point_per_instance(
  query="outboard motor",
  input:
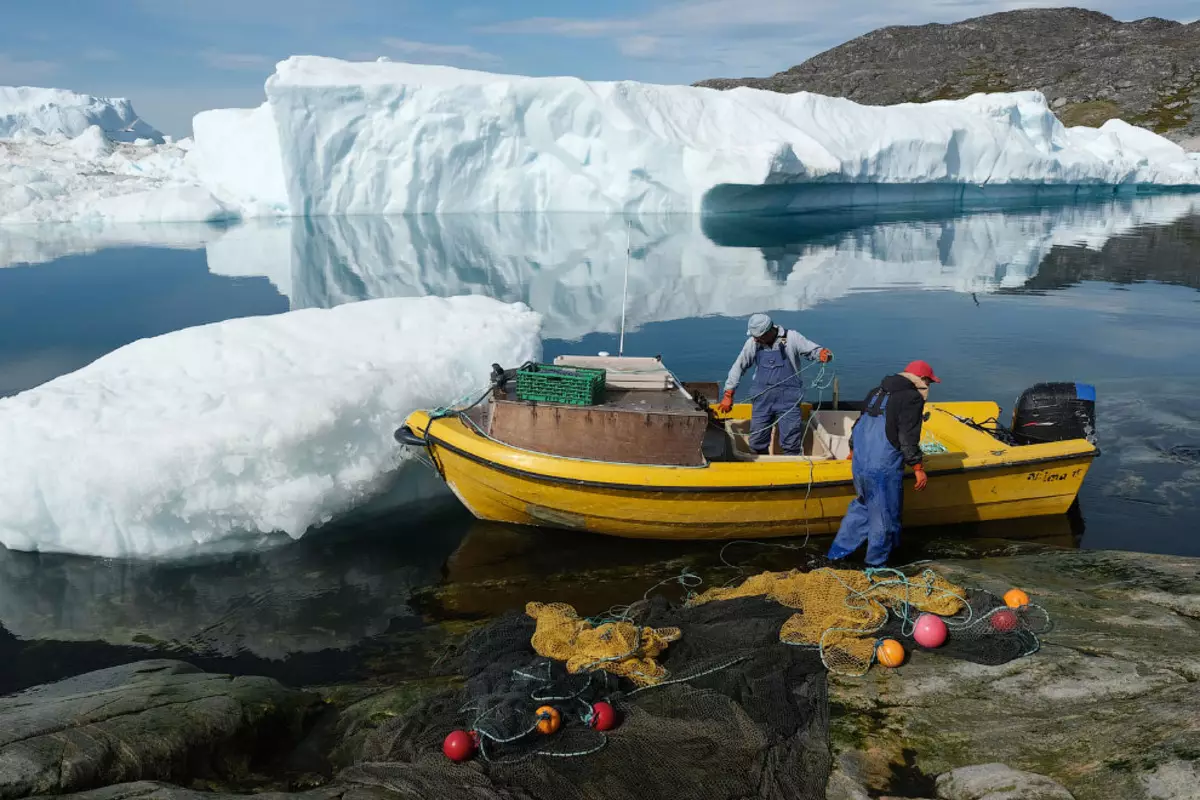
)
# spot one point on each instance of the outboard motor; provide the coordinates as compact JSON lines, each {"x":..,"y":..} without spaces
{"x":1054,"y":412}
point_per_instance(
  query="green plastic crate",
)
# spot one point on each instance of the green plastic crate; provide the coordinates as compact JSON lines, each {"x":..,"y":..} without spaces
{"x":551,"y":383}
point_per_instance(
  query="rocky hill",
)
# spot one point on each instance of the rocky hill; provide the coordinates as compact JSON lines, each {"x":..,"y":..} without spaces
{"x":1090,"y":67}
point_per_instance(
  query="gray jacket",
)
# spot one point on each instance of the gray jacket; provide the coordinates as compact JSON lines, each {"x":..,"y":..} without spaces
{"x":795,"y":348}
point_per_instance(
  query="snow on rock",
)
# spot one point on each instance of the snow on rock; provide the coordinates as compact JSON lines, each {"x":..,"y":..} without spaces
{"x":185,"y":441}
{"x":48,"y":112}
{"x":384,"y":138}
{"x":92,"y":180}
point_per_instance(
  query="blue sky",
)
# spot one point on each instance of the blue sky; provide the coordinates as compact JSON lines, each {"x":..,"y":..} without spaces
{"x":173,"y":58}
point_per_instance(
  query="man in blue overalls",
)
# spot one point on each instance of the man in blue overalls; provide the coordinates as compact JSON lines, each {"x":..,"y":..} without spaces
{"x":778,"y":388}
{"x":885,"y":437}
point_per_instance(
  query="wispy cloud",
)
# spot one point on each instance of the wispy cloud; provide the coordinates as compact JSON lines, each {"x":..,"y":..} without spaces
{"x":100,"y":54}
{"x":440,"y":52}
{"x":18,"y":71}
{"x":235,"y":61}
{"x":565,"y":26}
{"x":750,"y":36}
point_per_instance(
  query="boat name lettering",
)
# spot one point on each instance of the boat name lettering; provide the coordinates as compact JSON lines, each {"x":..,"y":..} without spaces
{"x":1051,"y":477}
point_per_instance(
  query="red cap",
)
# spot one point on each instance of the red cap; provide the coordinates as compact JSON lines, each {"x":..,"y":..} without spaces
{"x":922,"y":370}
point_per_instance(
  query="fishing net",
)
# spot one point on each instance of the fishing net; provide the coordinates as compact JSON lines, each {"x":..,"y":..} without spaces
{"x":722,"y":696}
{"x":841,"y":610}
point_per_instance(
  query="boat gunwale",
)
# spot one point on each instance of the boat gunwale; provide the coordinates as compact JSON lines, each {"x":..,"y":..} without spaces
{"x":518,"y":472}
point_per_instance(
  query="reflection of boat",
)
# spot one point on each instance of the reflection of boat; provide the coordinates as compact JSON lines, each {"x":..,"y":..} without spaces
{"x":659,"y":463}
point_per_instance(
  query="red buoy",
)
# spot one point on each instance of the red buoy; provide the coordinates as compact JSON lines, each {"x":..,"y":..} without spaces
{"x":458,"y":746}
{"x":1004,"y":620}
{"x":604,"y":716}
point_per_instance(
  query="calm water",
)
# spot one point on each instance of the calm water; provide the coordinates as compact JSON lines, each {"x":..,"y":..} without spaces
{"x":997,"y":301}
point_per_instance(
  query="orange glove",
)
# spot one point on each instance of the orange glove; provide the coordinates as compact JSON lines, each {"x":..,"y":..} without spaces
{"x":727,"y":401}
{"x":825,"y":355}
{"x":850,"y":456}
{"x":922,"y":478}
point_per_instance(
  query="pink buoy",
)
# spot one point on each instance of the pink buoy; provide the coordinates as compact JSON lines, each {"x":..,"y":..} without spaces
{"x":1004,"y":620}
{"x":930,"y":631}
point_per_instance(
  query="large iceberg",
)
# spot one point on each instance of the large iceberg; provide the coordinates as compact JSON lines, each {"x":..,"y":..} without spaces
{"x":390,"y":138}
{"x":347,"y":138}
{"x":243,"y":428}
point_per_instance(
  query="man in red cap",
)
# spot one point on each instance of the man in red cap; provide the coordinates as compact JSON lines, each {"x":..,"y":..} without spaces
{"x":885,"y":437}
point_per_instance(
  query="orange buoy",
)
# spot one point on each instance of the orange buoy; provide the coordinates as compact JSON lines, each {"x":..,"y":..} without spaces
{"x":549,"y":720}
{"x":1015,"y":598}
{"x":890,"y":653}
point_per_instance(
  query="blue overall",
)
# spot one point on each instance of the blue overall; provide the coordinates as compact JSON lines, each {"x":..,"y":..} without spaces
{"x":878,"y":469}
{"x":777,"y":393}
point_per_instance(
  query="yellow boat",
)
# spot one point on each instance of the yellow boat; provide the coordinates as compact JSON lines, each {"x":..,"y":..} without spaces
{"x":731,"y":492}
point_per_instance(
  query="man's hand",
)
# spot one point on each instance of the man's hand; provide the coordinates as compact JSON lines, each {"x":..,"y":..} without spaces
{"x":727,"y":402}
{"x":825,"y":356}
{"x":922,"y":478}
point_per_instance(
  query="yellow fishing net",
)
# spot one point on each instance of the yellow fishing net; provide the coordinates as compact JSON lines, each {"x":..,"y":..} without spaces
{"x":621,"y":648}
{"x":840,"y":610}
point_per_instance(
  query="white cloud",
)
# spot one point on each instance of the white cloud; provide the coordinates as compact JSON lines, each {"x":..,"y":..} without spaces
{"x":440,"y":52}
{"x":642,"y":46}
{"x":15,"y":71}
{"x":236,"y":61}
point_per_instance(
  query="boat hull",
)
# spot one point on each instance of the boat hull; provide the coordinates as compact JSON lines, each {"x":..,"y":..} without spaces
{"x":729,"y":501}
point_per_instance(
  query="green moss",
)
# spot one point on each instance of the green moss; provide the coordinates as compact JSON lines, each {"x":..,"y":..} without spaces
{"x":1093,"y":113}
{"x":1171,"y":110}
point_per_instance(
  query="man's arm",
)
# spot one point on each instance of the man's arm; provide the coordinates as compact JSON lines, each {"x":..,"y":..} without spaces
{"x":909,"y":417}
{"x":740,"y":365}
{"x":798,"y":346}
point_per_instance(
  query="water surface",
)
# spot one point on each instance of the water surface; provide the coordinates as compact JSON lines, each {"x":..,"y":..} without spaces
{"x":1104,"y":293}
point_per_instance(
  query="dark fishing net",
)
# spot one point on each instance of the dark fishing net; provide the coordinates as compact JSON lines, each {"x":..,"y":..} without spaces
{"x":737,"y":714}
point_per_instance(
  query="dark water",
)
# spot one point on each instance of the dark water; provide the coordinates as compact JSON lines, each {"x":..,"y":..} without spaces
{"x":997,"y":301}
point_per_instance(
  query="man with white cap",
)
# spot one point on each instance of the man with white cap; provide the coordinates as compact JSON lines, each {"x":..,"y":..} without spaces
{"x":778,"y":388}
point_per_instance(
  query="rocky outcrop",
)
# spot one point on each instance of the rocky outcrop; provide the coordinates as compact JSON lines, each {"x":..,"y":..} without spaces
{"x":1090,"y":67}
{"x":1108,"y":707}
{"x":159,"y":720}
{"x":148,"y":790}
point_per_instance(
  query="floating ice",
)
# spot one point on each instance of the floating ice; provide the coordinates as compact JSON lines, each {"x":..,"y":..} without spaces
{"x":92,"y":181}
{"x":185,"y":441}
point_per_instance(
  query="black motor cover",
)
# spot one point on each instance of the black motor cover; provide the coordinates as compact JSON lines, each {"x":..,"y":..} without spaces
{"x":1054,"y":412}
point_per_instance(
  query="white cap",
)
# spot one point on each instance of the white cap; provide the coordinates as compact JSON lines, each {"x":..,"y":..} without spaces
{"x":759,"y":324}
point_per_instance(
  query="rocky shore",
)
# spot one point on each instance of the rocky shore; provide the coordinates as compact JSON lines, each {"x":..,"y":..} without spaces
{"x":1090,"y":67}
{"x":1106,"y":708}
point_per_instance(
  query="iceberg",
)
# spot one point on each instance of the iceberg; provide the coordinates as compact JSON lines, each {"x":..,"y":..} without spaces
{"x":571,"y":268}
{"x":209,"y":437}
{"x":336,"y":138}
{"x":397,"y":138}
{"x":48,"y":112}
{"x":90,"y":180}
